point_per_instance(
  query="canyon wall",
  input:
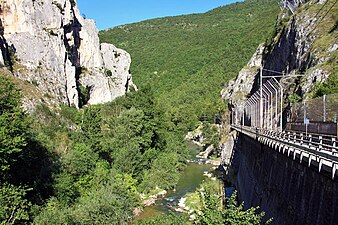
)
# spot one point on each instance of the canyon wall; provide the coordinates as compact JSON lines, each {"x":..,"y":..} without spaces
{"x":51,"y":45}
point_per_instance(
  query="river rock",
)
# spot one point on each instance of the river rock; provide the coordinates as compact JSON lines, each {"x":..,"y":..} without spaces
{"x":181,"y":202}
{"x":162,"y":193}
{"x":196,"y":136}
{"x":149,"y":202}
{"x":137,"y":211}
{"x":205,"y":154}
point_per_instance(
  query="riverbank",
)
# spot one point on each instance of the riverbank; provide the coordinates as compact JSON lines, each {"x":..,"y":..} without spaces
{"x":190,"y":180}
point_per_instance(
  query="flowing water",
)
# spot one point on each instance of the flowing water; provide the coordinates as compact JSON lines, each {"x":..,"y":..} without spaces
{"x":190,"y":179}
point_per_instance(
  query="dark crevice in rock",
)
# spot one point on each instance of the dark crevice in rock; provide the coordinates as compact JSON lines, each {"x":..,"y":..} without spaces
{"x":74,"y":28}
{"x":82,"y":90}
{"x":5,"y":50}
{"x":66,"y":88}
{"x":6,"y":53}
{"x":127,"y":84}
{"x":283,"y":55}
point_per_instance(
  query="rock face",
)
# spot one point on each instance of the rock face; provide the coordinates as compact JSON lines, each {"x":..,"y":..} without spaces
{"x":236,"y":90}
{"x":292,"y":5}
{"x":305,"y":43}
{"x":196,"y":136}
{"x":227,"y":149}
{"x":58,"y":50}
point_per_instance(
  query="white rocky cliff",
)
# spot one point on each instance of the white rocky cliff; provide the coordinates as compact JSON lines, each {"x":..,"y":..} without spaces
{"x":56,"y":49}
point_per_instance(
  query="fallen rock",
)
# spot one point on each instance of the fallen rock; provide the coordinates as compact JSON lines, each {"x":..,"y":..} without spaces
{"x":205,"y":154}
{"x":162,"y":193}
{"x":149,"y":202}
{"x":137,"y":211}
{"x":181,"y":203}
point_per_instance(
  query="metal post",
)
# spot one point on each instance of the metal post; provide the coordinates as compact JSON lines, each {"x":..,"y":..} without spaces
{"x":324,"y":106}
{"x":257,"y":111}
{"x":276,"y":111}
{"x":243,"y":116}
{"x":304,"y":114}
{"x":236,"y":116}
{"x":306,"y":129}
{"x":281,"y":109}
{"x":250,"y":111}
{"x":276,"y":102}
{"x":261,"y":98}
{"x":266,"y":109}
{"x":271,"y":110}
{"x":270,"y":107}
{"x":281,"y":105}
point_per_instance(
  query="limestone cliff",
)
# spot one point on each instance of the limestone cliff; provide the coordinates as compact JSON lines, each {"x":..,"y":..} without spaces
{"x":52,"y":46}
{"x":236,"y":90}
{"x":305,"y":42}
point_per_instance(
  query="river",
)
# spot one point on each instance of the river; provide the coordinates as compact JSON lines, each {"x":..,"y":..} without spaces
{"x":190,"y":179}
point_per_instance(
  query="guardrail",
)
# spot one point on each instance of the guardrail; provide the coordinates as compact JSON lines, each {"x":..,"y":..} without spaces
{"x":318,"y":150}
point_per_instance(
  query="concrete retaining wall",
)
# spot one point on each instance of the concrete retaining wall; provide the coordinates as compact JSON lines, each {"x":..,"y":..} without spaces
{"x":286,"y":190}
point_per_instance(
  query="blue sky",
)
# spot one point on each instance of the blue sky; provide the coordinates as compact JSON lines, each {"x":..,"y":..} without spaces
{"x":111,"y":13}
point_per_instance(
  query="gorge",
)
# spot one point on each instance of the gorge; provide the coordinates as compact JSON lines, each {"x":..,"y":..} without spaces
{"x":82,"y":141}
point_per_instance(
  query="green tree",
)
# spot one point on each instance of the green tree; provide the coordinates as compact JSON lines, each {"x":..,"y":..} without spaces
{"x":14,"y":204}
{"x":330,"y":86}
{"x":214,"y":212}
{"x":171,"y":219}
{"x":91,"y":131}
{"x":13,"y":126}
{"x":211,"y":134}
{"x":234,"y":214}
{"x":124,"y":140}
{"x":163,"y":173}
{"x":107,"y":204}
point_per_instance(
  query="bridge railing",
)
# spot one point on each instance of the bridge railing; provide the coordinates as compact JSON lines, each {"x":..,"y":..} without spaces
{"x":321,"y":151}
{"x":323,"y":143}
{"x":320,"y":143}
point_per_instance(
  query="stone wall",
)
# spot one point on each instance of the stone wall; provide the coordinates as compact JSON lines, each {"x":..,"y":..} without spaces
{"x":286,"y":190}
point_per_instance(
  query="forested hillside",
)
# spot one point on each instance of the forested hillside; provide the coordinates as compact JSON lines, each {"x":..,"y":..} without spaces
{"x":187,"y":59}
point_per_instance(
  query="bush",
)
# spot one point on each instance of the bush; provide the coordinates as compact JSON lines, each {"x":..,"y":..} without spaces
{"x":213,"y":212}
{"x":14,"y":205}
{"x":163,"y":173}
{"x":330,"y":86}
{"x":171,"y":219}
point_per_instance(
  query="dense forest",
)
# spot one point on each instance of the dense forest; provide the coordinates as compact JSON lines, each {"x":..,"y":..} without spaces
{"x":89,"y":166}
{"x":187,"y":59}
{"x":84,"y":163}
